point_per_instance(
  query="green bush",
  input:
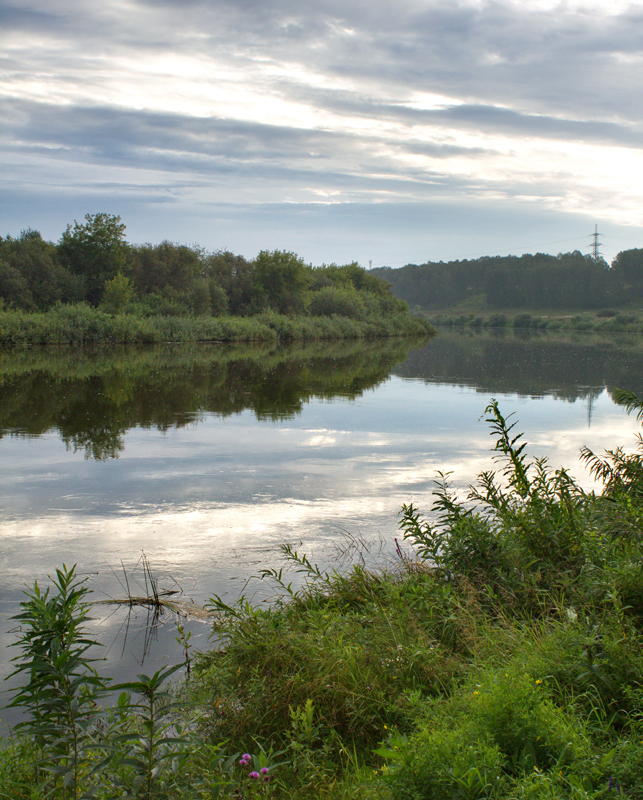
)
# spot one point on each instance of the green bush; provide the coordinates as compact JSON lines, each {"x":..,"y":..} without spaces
{"x":523,"y":321}
{"x":442,"y":763}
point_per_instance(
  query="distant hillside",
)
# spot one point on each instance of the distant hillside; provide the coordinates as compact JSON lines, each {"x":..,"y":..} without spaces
{"x":566,"y":281}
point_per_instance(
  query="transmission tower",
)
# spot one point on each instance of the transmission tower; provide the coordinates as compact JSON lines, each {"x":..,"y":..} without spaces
{"x":596,"y":253}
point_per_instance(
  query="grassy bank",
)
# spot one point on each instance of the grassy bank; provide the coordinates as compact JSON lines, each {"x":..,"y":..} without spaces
{"x":500,"y":656}
{"x":607,"y":320}
{"x":81,"y":324}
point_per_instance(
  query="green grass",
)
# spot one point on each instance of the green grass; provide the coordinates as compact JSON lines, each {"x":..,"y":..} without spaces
{"x":501,"y":657}
{"x":551,"y":319}
{"x":82,"y":324}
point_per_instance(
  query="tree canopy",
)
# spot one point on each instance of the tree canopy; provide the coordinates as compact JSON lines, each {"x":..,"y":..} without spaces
{"x":94,"y":262}
{"x":568,"y":280}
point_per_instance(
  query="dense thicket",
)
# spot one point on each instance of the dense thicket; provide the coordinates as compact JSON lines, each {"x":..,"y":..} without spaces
{"x":94,"y":263}
{"x":568,"y":280}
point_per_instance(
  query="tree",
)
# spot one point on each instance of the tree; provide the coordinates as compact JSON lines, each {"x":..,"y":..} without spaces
{"x":118,"y":292}
{"x":96,"y":250}
{"x":628,"y":266}
{"x":30,"y":275}
{"x":282,"y":277}
{"x":155,"y":268}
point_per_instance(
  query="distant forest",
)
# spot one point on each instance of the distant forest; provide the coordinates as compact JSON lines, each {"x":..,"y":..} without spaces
{"x":93,"y":263}
{"x":566,"y":281}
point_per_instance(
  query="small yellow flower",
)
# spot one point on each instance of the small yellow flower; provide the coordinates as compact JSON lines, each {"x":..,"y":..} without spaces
{"x":476,"y":692}
{"x":386,"y":727}
{"x":538,"y":682}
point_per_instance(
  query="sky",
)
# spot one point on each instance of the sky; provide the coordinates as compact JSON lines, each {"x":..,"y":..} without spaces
{"x":384,"y":132}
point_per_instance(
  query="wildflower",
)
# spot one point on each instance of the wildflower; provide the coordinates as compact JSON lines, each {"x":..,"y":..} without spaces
{"x":476,"y":692}
{"x":264,"y":770}
{"x":254,"y":776}
{"x":538,"y":682}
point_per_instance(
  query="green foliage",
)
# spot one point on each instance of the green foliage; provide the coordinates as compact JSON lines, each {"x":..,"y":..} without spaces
{"x":568,"y":280}
{"x":334,"y":645}
{"x":628,"y":266}
{"x":118,"y":292}
{"x":537,"y":519}
{"x":31,"y":277}
{"x":163,"y":267}
{"x":144,"y":748}
{"x":95,"y":250}
{"x":63,"y":688}
{"x":443,"y":763}
{"x":280,"y":278}
{"x":93,"y":263}
{"x":147,"y":760}
{"x":331,"y":300}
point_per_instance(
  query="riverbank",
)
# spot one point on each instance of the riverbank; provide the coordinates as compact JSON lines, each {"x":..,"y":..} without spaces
{"x":498,"y":657}
{"x":80,"y":324}
{"x":603,"y":320}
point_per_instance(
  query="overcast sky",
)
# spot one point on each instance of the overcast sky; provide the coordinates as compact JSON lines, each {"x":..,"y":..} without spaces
{"x":390,"y":131}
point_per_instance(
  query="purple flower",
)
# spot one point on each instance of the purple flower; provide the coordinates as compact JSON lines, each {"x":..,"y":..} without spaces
{"x":264,"y":770}
{"x":254,"y":776}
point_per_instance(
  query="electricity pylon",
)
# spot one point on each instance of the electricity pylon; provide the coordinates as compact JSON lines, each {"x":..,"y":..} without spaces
{"x":596,"y":253}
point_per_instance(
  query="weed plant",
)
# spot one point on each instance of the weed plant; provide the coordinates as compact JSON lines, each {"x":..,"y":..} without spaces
{"x":502,"y":657}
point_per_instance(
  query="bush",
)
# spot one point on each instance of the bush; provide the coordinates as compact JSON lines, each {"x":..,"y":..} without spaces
{"x":522,"y":321}
{"x":497,"y":321}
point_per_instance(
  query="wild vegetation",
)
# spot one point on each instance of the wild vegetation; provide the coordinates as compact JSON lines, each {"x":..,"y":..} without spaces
{"x":603,"y":320}
{"x":93,"y":286}
{"x":528,"y":283}
{"x":498,"y":657}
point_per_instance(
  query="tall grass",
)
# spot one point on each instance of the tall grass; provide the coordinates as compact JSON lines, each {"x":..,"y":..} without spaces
{"x":81,"y":324}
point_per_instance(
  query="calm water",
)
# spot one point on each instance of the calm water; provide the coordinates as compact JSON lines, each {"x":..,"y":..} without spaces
{"x":207,"y":458}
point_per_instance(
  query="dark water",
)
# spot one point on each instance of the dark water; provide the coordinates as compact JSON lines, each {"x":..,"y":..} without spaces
{"x":207,"y":458}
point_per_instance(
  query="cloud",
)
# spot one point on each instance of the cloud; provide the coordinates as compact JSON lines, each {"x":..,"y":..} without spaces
{"x":250,"y":102}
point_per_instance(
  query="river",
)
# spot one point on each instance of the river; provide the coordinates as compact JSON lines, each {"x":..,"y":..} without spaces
{"x":206,"y":458}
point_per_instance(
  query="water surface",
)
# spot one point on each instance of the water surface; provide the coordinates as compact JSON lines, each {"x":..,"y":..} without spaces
{"x":207,"y":458}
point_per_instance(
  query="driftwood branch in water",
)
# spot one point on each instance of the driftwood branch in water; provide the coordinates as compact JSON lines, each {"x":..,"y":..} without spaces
{"x":188,"y":610}
{"x":158,"y":599}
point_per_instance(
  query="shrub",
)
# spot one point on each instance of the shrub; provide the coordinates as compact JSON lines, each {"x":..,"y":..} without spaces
{"x":522,"y":321}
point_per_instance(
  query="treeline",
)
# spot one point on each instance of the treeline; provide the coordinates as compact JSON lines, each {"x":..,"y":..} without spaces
{"x":568,"y":280}
{"x":93,"y":263}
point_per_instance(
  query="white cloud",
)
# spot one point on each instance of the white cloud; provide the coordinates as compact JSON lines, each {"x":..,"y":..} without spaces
{"x":529,"y":102}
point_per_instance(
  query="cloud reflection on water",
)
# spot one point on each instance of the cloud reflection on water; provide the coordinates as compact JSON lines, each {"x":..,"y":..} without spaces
{"x":211,"y":501}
